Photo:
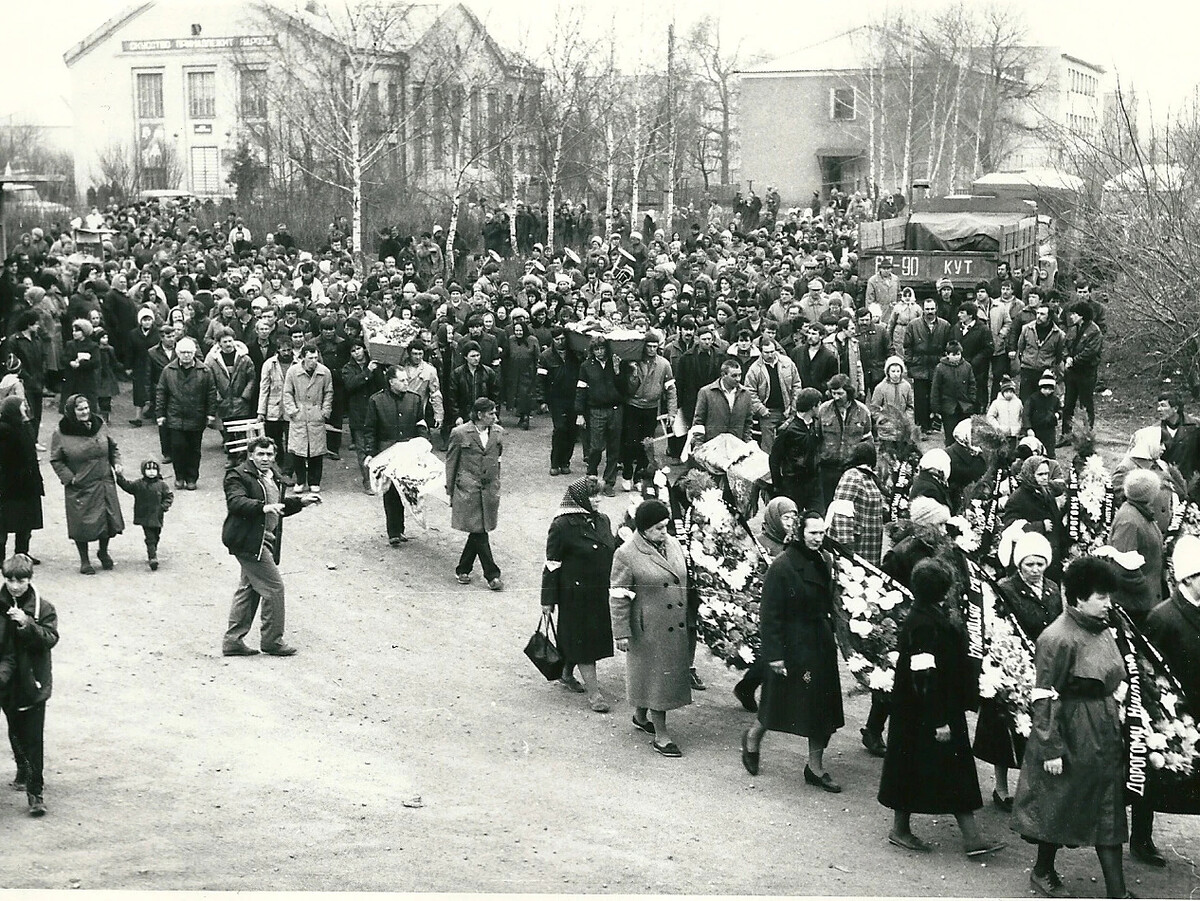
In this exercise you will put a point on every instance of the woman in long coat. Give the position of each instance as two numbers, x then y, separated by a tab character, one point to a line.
1034	602
1034	502
1071	790
575	579
928	767
473	486
648	603
84	456
520	371
21	486
81	366
802	694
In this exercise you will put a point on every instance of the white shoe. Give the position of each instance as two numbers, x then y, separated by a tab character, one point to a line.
626	485
315	489
302	489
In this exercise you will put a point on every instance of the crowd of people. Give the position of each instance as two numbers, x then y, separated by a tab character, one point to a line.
762	327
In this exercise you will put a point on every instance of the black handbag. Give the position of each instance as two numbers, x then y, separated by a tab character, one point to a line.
542	649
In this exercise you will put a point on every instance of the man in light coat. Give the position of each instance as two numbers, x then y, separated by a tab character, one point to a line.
307	403
773	382
473	486
724	406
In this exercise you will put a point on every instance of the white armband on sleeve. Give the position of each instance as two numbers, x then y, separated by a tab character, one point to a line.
1040	694
922	662
553	565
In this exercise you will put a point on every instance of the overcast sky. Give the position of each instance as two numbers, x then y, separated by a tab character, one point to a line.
1150	43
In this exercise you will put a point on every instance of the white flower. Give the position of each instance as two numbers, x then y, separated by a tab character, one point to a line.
890	599
857	663
874	585
1169	701
893	657
861	627
855	605
1024	725
1157	760
660	478
990	680
1176	762
746	653
881	679
854	590
1156	741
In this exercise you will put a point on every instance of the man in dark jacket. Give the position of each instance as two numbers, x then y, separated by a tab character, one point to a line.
873	349
1180	437
598	407
816	363
186	402
27	633
253	533
924	343
394	414
471	381
976	339
1085	344
557	375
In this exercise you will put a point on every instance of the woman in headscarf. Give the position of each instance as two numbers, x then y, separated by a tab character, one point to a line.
1034	602
648	603
928	767
579	559
21	487
803	693
520	372
84	458
1145	452
1071	791
778	522
1033	502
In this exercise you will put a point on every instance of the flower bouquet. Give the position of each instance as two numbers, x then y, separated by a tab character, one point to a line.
870	610
1007	672
415	471
1089	507
726	566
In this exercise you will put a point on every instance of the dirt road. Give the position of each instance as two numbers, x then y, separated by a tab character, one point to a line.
410	746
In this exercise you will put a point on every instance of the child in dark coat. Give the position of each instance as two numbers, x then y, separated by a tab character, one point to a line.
1042	411
152	498
109	387
28	630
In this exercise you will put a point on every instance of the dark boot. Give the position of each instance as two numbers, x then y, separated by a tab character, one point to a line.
152	555
36	807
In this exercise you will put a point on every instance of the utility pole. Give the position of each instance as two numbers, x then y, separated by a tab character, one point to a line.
669	204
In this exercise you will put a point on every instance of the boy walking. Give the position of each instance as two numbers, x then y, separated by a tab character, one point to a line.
30	630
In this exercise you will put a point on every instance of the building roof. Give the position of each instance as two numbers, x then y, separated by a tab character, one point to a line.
105	31
840	53
411	23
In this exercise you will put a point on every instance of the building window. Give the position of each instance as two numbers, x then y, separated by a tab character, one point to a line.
206	170
254	94
202	95
149	95
841	104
